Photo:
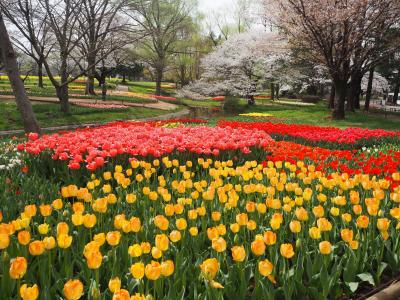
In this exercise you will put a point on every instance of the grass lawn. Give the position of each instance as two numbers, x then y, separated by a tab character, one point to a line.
49	115
201	103
320	115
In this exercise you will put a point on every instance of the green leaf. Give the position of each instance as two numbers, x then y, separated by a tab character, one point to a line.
367	277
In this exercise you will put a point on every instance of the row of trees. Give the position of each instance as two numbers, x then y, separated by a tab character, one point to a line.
87	37
348	37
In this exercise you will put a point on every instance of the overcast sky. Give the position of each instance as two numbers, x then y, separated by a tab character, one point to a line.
208	6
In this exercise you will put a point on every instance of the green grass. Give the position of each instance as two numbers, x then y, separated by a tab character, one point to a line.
49	115
321	116
201	103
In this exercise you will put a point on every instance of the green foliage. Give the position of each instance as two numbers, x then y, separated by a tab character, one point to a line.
232	104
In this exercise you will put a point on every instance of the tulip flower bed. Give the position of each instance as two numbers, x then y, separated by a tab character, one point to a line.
342	161
204	229
326	137
91	147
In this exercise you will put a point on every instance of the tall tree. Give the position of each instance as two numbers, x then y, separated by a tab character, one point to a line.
63	19
36	28
335	33
101	28
161	21
9	60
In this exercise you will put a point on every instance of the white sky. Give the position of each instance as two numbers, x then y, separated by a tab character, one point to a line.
208	6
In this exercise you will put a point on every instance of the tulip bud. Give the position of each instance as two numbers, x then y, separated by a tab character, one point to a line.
298	243
236	239
94	291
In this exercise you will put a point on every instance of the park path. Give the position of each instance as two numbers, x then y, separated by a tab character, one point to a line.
122	88
175	115
158	105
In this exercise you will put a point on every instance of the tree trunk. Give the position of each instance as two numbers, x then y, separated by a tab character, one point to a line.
332	97
91	60
273	91
159	77
277	90
10	63
353	100
369	89
396	88
62	94
124	78
62	89
40	73
340	98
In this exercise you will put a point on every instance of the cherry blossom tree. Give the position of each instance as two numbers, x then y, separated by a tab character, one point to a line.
240	65
345	36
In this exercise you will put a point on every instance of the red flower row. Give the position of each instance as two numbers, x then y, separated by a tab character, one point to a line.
92	146
165	98
316	134
343	161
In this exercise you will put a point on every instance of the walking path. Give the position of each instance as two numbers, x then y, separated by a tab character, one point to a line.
158	105
179	114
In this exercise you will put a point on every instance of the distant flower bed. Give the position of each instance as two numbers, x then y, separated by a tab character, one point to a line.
328	137
100	105
294	103
262	97
255	114
165	98
218	98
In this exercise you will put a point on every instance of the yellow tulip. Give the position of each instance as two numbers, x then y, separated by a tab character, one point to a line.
29	293
265	267
73	289
258	247
209	268
18	267
287	250
114	285
238	253
167	268
153	270
325	247
137	270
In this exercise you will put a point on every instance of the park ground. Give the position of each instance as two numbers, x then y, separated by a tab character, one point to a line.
137	102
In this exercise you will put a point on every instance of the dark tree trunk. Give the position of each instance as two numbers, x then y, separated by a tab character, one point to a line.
369	89
62	94
353	100
40	73
331	101
277	90
272	91
340	98
124	78
91	60
159	77
62	89
396	88
10	63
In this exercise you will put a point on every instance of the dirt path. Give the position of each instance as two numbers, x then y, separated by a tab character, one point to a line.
158	105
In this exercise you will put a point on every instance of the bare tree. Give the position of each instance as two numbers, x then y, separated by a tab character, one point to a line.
63	19
9	60
161	20
103	30
37	29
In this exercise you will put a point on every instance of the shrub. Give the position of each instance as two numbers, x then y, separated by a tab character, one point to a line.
231	104
310	98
